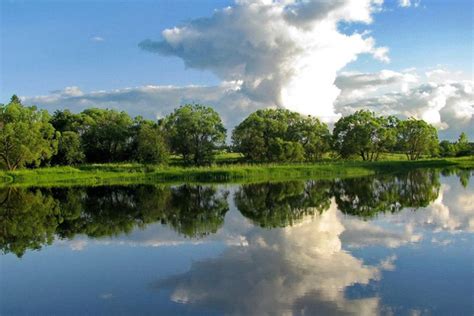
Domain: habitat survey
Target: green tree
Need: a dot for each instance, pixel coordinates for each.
(313, 135)
(364, 134)
(447, 149)
(195, 132)
(463, 148)
(151, 144)
(26, 136)
(417, 138)
(107, 135)
(69, 149)
(66, 121)
(280, 135)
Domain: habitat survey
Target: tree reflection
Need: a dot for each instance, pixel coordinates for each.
(368, 196)
(196, 210)
(284, 203)
(463, 174)
(30, 218)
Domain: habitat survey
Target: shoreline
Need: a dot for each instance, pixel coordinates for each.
(110, 174)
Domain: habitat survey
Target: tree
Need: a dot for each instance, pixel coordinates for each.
(463, 148)
(280, 135)
(364, 134)
(313, 135)
(69, 149)
(107, 135)
(417, 138)
(151, 144)
(26, 136)
(447, 149)
(195, 132)
(66, 121)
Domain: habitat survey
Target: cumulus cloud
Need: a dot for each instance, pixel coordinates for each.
(447, 104)
(284, 53)
(152, 101)
(357, 85)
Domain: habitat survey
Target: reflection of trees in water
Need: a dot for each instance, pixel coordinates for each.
(30, 218)
(464, 175)
(283, 203)
(196, 210)
(368, 196)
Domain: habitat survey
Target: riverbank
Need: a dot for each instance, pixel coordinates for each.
(99, 174)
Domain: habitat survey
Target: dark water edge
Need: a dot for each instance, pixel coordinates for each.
(399, 243)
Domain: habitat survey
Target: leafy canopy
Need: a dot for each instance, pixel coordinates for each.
(195, 131)
(364, 134)
(26, 136)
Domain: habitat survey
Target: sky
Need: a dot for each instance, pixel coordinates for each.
(410, 58)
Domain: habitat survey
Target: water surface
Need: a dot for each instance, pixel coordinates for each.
(392, 244)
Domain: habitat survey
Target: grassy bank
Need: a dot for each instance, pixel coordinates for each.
(137, 173)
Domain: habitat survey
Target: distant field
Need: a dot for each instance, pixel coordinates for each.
(97, 174)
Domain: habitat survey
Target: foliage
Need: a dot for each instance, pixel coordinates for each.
(417, 138)
(195, 132)
(280, 135)
(447, 149)
(69, 150)
(365, 134)
(463, 147)
(107, 135)
(151, 145)
(26, 136)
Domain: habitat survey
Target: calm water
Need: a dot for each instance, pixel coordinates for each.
(396, 244)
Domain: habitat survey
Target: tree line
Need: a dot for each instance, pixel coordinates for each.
(30, 137)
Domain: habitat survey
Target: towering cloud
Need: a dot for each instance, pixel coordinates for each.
(281, 52)
(292, 54)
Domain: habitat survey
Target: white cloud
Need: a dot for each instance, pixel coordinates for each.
(446, 103)
(409, 3)
(152, 101)
(97, 39)
(356, 85)
(285, 53)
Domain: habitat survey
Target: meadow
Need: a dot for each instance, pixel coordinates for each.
(227, 169)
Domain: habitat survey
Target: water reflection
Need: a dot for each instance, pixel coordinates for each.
(370, 196)
(388, 244)
(284, 203)
(33, 217)
(303, 267)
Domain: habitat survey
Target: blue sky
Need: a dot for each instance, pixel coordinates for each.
(47, 45)
(316, 57)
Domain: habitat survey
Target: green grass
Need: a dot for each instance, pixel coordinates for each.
(100, 174)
